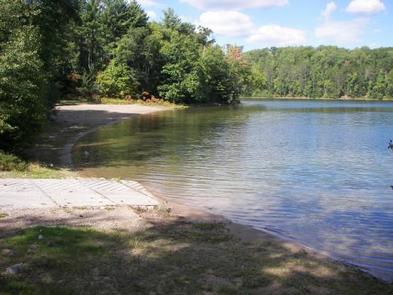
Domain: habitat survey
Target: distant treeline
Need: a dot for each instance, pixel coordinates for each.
(322, 72)
(89, 48)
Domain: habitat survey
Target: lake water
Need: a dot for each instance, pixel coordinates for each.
(317, 172)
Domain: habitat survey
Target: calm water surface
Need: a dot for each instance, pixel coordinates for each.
(318, 172)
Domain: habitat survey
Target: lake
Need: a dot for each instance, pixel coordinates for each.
(316, 172)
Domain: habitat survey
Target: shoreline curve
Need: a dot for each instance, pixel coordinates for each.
(118, 113)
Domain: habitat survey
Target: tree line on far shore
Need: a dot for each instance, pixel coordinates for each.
(51, 50)
(322, 72)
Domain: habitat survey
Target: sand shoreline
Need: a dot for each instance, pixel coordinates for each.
(95, 116)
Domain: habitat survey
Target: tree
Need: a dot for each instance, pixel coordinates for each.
(116, 19)
(117, 80)
(325, 71)
(219, 79)
(33, 59)
(22, 106)
(139, 49)
(179, 75)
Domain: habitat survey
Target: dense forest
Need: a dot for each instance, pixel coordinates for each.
(323, 72)
(51, 50)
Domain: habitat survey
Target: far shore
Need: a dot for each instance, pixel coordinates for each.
(349, 99)
(303, 268)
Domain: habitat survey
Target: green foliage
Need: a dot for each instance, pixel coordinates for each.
(88, 85)
(10, 162)
(22, 106)
(325, 71)
(219, 78)
(32, 39)
(139, 49)
(117, 80)
(195, 70)
(103, 24)
(117, 17)
(179, 74)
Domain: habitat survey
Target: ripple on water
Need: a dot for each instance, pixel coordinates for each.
(316, 172)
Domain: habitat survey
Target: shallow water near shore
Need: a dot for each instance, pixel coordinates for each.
(317, 172)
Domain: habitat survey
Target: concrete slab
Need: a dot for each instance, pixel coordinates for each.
(71, 193)
(13, 195)
(19, 201)
(119, 193)
(49, 193)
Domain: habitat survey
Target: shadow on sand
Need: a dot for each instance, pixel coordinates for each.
(169, 255)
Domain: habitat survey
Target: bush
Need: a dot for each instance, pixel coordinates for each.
(117, 80)
(22, 106)
(10, 162)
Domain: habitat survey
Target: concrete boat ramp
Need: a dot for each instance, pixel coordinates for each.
(80, 192)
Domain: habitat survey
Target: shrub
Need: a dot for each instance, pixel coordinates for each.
(10, 162)
(117, 80)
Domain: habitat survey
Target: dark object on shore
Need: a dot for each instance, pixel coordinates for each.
(390, 146)
(146, 95)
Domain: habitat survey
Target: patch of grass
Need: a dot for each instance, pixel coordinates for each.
(52, 257)
(3, 215)
(9, 162)
(34, 170)
(178, 257)
(14, 167)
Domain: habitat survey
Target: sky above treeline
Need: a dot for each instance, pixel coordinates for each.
(265, 23)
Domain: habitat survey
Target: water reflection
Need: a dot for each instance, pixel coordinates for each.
(317, 172)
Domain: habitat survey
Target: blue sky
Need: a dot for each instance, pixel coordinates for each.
(266, 23)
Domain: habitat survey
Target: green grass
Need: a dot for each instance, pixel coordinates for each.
(62, 255)
(174, 258)
(35, 170)
(12, 166)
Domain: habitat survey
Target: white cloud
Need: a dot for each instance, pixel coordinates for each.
(230, 23)
(275, 35)
(365, 6)
(234, 4)
(341, 32)
(151, 14)
(147, 3)
(227, 23)
(329, 9)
